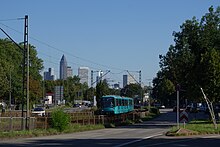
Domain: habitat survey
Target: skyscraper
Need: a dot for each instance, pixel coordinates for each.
(63, 68)
(49, 75)
(83, 73)
(128, 79)
(69, 71)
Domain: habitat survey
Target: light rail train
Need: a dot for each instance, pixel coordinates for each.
(113, 104)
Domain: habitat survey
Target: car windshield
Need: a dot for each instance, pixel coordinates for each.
(38, 109)
(107, 102)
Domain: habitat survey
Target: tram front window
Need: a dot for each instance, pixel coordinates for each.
(108, 102)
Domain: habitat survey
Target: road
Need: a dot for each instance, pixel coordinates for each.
(150, 133)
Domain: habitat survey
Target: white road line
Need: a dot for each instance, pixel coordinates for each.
(169, 142)
(148, 137)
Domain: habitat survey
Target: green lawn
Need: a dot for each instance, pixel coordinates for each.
(197, 127)
(43, 132)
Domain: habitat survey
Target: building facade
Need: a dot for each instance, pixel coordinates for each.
(128, 79)
(63, 68)
(49, 75)
(69, 71)
(83, 73)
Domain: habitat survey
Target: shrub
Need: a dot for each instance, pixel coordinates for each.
(68, 104)
(154, 110)
(60, 120)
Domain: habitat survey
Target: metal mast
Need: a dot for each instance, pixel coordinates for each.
(26, 71)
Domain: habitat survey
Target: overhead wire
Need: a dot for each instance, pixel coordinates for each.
(11, 19)
(52, 47)
(65, 52)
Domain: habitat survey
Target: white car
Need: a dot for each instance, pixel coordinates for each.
(38, 111)
(163, 107)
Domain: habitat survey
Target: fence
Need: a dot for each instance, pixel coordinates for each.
(21, 123)
(13, 121)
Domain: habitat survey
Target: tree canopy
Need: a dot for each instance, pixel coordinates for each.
(11, 63)
(193, 61)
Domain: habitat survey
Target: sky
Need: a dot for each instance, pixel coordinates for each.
(117, 35)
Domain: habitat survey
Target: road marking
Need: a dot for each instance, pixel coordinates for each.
(178, 141)
(148, 137)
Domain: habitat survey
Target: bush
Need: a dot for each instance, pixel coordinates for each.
(154, 110)
(68, 104)
(60, 120)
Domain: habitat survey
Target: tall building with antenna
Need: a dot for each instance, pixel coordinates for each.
(63, 68)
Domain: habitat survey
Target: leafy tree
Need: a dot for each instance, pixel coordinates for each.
(11, 65)
(132, 90)
(193, 61)
(101, 89)
(89, 93)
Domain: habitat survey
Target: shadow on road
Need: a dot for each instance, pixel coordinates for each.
(114, 142)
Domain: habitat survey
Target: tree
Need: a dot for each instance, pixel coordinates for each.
(11, 63)
(101, 89)
(132, 90)
(193, 61)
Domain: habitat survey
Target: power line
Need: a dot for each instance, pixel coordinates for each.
(50, 46)
(11, 19)
(77, 57)
(57, 59)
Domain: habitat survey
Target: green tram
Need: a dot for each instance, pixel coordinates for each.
(112, 104)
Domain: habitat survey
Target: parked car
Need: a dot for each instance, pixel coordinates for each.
(38, 111)
(77, 105)
(3, 104)
(202, 108)
(188, 109)
(191, 109)
(217, 108)
(162, 107)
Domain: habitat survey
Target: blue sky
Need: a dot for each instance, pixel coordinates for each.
(115, 35)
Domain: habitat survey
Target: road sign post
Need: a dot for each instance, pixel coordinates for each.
(184, 117)
(177, 103)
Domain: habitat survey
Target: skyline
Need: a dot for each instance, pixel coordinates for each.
(102, 35)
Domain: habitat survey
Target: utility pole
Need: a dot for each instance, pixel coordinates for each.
(10, 93)
(177, 106)
(97, 80)
(100, 77)
(138, 82)
(26, 71)
(140, 77)
(140, 87)
(91, 78)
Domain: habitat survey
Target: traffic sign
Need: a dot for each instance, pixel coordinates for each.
(184, 116)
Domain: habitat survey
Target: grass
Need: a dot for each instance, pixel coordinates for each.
(203, 127)
(150, 116)
(196, 128)
(43, 132)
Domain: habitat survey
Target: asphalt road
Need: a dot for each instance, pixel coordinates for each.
(190, 141)
(150, 133)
